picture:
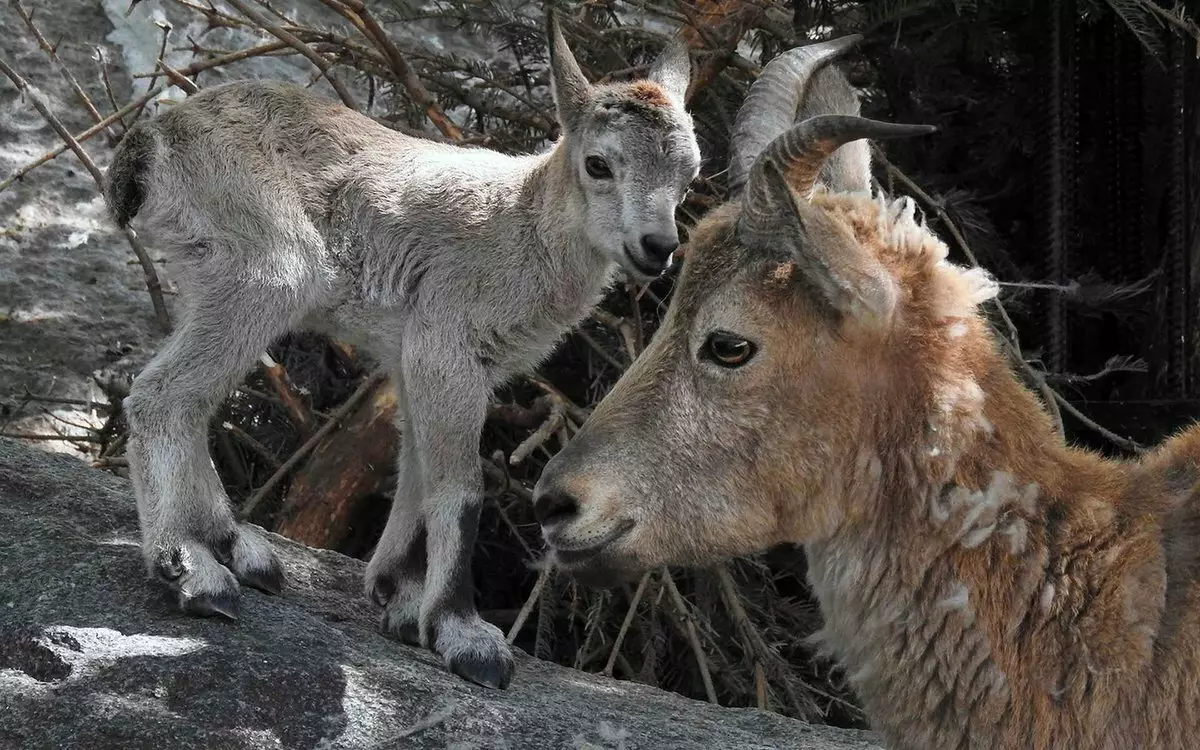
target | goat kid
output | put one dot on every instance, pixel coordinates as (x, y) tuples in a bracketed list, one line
[(824, 377), (458, 268)]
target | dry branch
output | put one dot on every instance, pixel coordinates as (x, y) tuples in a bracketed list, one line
[(262, 22), (530, 602), (335, 419), (52, 53), (357, 13), (689, 622), (629, 615), (277, 376)]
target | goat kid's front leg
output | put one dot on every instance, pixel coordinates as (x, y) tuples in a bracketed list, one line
[(190, 539), (446, 394), (396, 572)]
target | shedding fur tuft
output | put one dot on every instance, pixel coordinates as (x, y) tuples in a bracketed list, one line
[(125, 181)]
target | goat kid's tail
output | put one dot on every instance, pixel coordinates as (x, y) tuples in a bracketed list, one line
[(125, 181)]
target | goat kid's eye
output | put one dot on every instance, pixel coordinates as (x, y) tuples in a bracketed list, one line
[(728, 350), (597, 168)]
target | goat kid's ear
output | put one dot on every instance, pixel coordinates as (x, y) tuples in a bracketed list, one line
[(571, 89), (673, 70), (818, 252)]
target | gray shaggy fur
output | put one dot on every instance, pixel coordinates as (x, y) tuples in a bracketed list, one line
[(458, 268)]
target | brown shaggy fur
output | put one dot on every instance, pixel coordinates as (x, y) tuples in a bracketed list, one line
[(984, 584)]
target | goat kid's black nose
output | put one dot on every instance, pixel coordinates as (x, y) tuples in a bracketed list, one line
[(659, 246), (555, 506)]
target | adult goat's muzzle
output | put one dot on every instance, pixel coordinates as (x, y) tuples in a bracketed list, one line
[(582, 526)]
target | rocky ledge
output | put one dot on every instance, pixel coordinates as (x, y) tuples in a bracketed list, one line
[(91, 656)]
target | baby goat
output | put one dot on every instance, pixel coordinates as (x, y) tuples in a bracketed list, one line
[(458, 268), (824, 377)]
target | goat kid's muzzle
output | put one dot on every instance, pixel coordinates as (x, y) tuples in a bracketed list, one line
[(651, 256)]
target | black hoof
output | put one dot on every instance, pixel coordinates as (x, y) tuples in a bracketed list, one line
[(405, 632), (382, 591), (490, 673), (224, 604), (269, 581)]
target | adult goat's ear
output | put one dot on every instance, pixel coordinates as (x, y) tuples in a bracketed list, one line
[(778, 219), (673, 70), (571, 89)]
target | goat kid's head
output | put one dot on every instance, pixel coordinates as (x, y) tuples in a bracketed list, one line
[(756, 415), (632, 151)]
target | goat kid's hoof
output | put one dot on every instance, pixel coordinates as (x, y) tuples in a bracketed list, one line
[(403, 629), (488, 672), (475, 650), (254, 562), (223, 603), (401, 602)]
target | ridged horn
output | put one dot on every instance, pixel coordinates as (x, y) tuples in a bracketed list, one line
[(798, 155), (773, 100)]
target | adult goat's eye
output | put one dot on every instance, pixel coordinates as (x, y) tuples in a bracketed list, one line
[(597, 167), (728, 350)]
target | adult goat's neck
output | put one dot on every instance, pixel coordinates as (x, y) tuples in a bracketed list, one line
[(991, 590)]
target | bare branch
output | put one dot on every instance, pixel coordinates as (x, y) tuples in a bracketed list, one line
[(629, 615), (694, 639), (335, 419), (357, 13), (52, 53), (286, 36)]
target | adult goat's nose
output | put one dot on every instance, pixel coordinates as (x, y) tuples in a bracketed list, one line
[(555, 506), (659, 246)]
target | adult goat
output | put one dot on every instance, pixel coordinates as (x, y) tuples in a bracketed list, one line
[(824, 377), (458, 268)]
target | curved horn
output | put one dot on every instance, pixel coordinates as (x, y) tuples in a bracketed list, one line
[(773, 100), (794, 160)]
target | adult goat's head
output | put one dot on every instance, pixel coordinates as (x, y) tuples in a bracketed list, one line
[(797, 340), (632, 150)]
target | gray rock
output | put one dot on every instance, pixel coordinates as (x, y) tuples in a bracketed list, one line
[(92, 656)]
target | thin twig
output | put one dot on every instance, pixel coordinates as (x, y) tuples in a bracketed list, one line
[(1129, 445), (187, 85), (70, 438), (600, 350), (575, 411), (39, 103), (408, 78), (335, 419), (162, 54), (251, 442), (552, 424), (102, 60), (232, 57), (69, 401), (52, 53), (530, 603), (499, 474), (278, 32), (629, 615), (693, 638)]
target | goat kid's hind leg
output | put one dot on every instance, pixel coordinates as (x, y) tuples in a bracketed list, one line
[(396, 572), (190, 539), (447, 393)]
